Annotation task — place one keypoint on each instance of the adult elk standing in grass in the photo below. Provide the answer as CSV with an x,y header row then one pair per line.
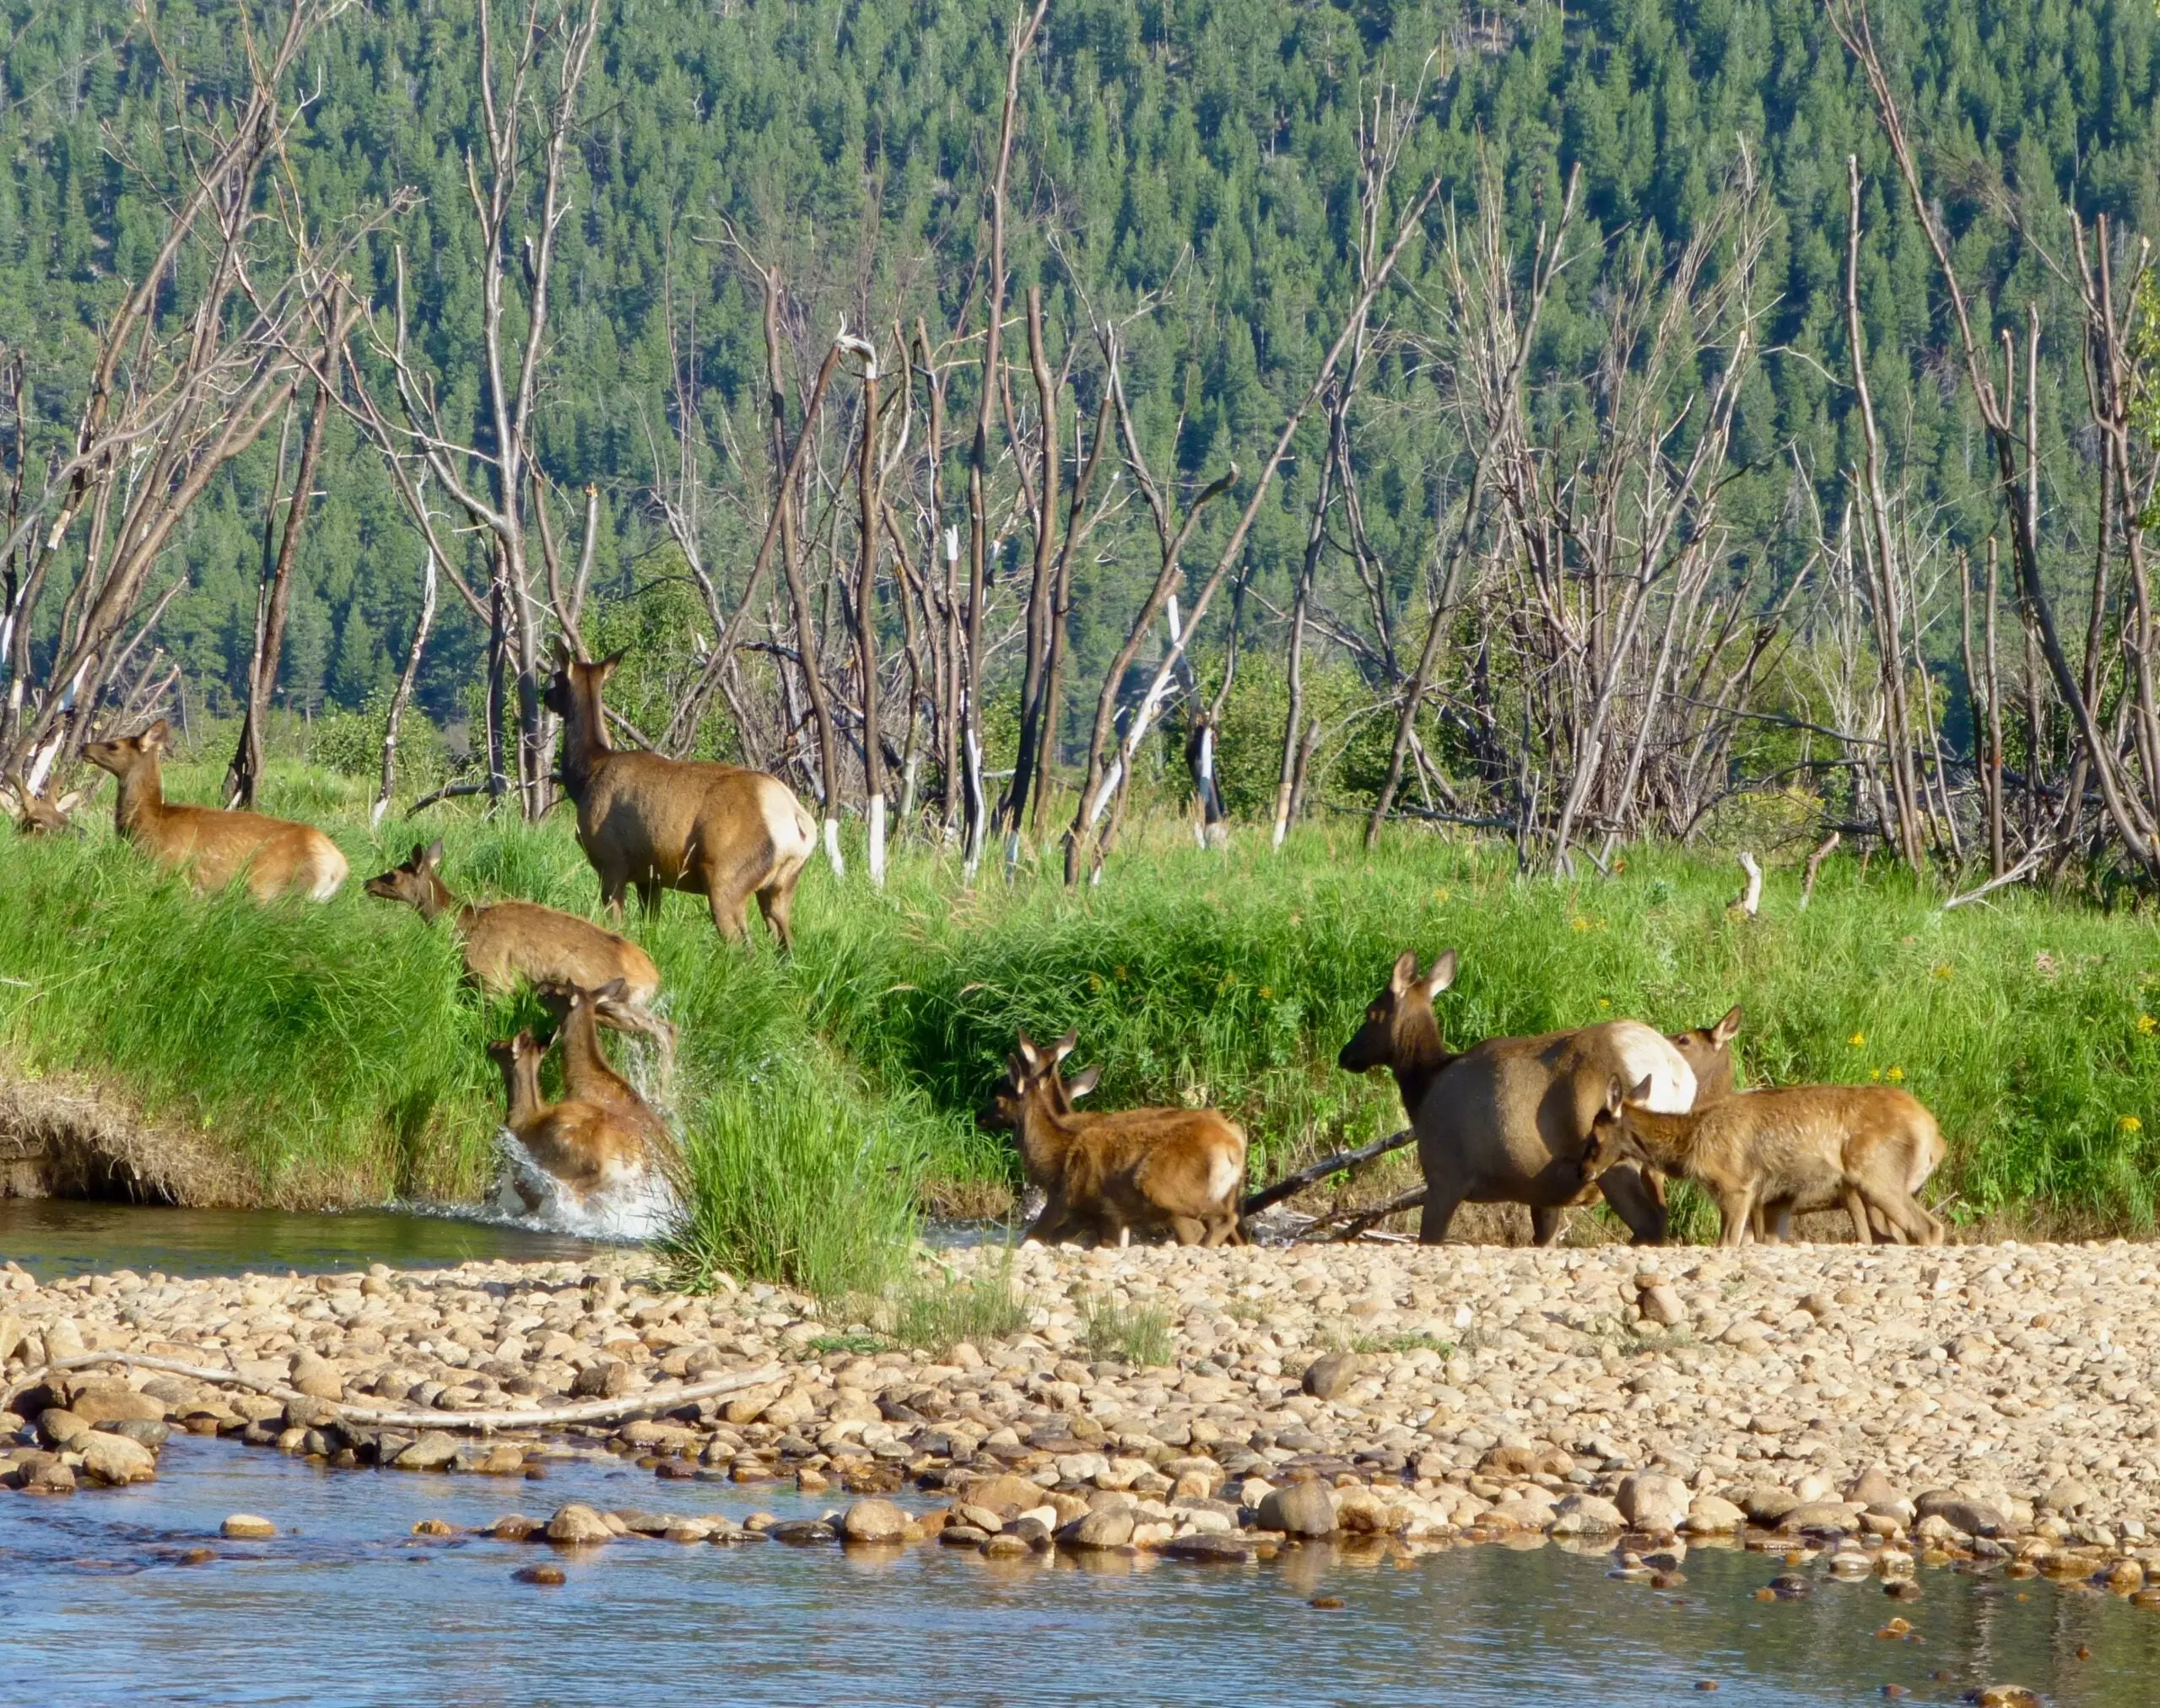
x,y
719,831
1175,1170
507,943
1509,1120
1869,1148
278,856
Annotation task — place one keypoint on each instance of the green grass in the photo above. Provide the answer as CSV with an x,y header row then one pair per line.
x,y
821,1100
933,1309
1134,1334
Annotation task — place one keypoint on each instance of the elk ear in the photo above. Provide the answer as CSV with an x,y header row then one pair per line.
x,y
1081,1083
1442,974
564,656
606,668
1616,1094
431,855
1641,1094
157,735
1728,1028
68,802
1064,1046
614,991
1404,974
1025,1053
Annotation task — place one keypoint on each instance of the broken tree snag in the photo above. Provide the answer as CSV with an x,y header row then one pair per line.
x,y
1823,850
1749,901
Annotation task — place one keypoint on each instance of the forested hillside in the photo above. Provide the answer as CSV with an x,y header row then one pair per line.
x,y
1200,162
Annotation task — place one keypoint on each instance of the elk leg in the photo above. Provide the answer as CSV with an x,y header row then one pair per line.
x,y
1189,1230
1856,1207
1544,1224
648,892
1735,1206
776,901
1441,1202
1224,1229
1637,1202
730,910
1902,1212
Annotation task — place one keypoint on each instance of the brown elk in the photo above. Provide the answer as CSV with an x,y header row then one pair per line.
x,y
586,1076
585,1147
718,831
1106,1175
1869,1148
37,814
276,856
507,943
1509,1120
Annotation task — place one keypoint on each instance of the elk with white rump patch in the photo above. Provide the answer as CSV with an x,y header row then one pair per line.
x,y
1105,1176
277,857
1509,1121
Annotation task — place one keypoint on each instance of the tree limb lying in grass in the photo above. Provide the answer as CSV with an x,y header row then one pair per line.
x,y
586,1412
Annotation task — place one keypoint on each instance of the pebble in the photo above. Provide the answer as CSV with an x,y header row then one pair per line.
x,y
247,1527
578,1526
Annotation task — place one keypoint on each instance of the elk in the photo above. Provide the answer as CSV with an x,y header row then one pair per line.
x,y
1104,1175
1509,1120
586,1076
585,1147
507,943
720,831
277,857
37,814
1869,1148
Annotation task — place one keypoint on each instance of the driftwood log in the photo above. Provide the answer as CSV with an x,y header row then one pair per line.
x,y
656,1399
1254,1202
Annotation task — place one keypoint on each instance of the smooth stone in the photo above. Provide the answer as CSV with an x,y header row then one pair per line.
x,y
1301,1509
578,1526
1112,1528
114,1459
1328,1375
246,1527
873,1520
1653,1501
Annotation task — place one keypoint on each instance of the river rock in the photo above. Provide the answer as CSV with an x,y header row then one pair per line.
x,y
1586,1515
2068,1497
1660,1305
145,1432
431,1452
873,1520
1973,1517
1713,1515
1328,1375
1302,1509
316,1377
578,1526
110,1404
247,1527
1873,1489
996,1494
114,1459
1208,1549
1106,1529
58,1427
1653,1501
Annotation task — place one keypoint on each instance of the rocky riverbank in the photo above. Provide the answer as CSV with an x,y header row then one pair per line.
x,y
1993,1402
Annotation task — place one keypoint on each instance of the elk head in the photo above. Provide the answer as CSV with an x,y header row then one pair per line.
x,y
1401,1029
124,755
1708,1051
1031,1068
35,814
417,883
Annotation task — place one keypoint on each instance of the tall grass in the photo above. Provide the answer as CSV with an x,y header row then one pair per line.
x,y
820,1098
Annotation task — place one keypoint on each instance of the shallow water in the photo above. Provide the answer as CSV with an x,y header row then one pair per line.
x,y
347,1607
59,1236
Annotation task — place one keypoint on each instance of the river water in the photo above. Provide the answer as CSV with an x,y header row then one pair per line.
x,y
104,1597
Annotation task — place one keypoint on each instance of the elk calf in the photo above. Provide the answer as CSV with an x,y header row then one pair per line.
x,y
586,1076
37,814
1509,1120
587,1147
507,943
1869,1148
277,857
1107,1175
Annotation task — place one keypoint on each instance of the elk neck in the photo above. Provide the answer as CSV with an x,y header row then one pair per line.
x,y
1420,1056
1666,1139
1044,1137
140,799
520,1089
585,740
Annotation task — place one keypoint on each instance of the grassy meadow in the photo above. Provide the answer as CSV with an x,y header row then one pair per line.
x,y
825,1101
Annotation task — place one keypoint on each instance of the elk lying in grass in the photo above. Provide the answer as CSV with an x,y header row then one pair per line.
x,y
1105,1176
277,857
719,831
37,814
1869,1148
584,1146
507,943
1509,1120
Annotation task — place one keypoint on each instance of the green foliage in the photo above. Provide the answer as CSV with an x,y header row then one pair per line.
x,y
350,743
935,1311
1135,1334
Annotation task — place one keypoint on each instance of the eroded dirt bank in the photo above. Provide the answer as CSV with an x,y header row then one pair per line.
x,y
1990,1401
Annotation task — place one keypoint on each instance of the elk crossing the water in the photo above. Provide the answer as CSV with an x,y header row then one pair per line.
x,y
718,831
509,944
275,856
1869,1148
1106,1175
1509,1120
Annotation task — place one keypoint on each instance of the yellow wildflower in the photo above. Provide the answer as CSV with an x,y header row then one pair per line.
x,y
1943,970
1440,894
1894,1075
2131,1123
1858,1041
1605,1002
1580,922
1874,1075
1265,993
2147,1025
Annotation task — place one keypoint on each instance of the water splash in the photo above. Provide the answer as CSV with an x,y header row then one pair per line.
x,y
639,1204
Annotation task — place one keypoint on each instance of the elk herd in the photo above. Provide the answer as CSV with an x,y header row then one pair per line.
x,y
1611,1110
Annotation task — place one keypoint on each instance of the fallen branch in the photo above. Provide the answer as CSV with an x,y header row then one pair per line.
x,y
2016,874
1823,850
1254,1203
1356,1222
586,1412
1749,901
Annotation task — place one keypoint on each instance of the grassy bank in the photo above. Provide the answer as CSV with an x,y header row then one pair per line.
x,y
821,1099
